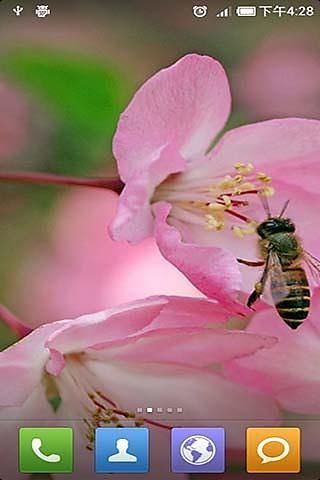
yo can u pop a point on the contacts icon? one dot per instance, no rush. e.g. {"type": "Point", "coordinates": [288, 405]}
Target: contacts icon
{"type": "Point", "coordinates": [273, 450]}
{"type": "Point", "coordinates": [122, 446]}
{"type": "Point", "coordinates": [122, 450]}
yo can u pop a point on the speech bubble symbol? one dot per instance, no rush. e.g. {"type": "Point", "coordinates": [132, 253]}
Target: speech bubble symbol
{"type": "Point", "coordinates": [265, 458]}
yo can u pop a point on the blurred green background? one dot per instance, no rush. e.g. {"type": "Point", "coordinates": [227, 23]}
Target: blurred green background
{"type": "Point", "coordinates": [75, 71]}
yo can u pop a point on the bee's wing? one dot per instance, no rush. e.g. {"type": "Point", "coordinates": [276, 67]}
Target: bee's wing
{"type": "Point", "coordinates": [279, 287]}
{"type": "Point", "coordinates": [313, 264]}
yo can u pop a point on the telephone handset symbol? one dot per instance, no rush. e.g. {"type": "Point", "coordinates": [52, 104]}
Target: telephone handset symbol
{"type": "Point", "coordinates": [36, 445]}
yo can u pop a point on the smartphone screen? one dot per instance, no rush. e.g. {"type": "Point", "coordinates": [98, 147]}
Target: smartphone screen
{"type": "Point", "coordinates": [159, 250]}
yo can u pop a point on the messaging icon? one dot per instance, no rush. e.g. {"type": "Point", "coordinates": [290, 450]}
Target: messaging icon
{"type": "Point", "coordinates": [273, 450]}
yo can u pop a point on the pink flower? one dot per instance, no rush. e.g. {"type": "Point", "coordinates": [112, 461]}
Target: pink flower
{"type": "Point", "coordinates": [99, 367]}
{"type": "Point", "coordinates": [281, 78]}
{"type": "Point", "coordinates": [203, 207]}
{"type": "Point", "coordinates": [289, 371]}
{"type": "Point", "coordinates": [82, 270]}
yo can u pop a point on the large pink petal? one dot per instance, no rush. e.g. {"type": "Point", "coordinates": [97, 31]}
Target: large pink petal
{"type": "Point", "coordinates": [292, 361]}
{"type": "Point", "coordinates": [131, 320]}
{"type": "Point", "coordinates": [22, 364]}
{"type": "Point", "coordinates": [134, 219]}
{"type": "Point", "coordinates": [91, 329]}
{"type": "Point", "coordinates": [300, 172]}
{"type": "Point", "coordinates": [214, 271]}
{"type": "Point", "coordinates": [271, 146]}
{"type": "Point", "coordinates": [185, 104]}
{"type": "Point", "coordinates": [182, 312]}
{"type": "Point", "coordinates": [197, 347]}
{"type": "Point", "coordinates": [289, 371]}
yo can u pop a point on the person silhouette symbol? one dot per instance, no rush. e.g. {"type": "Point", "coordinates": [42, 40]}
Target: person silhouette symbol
{"type": "Point", "coordinates": [122, 446]}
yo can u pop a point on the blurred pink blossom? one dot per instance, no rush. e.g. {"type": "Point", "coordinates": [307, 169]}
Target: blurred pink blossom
{"type": "Point", "coordinates": [151, 352]}
{"type": "Point", "coordinates": [83, 271]}
{"type": "Point", "coordinates": [280, 78]}
{"type": "Point", "coordinates": [13, 121]}
{"type": "Point", "coordinates": [288, 372]}
{"type": "Point", "coordinates": [203, 207]}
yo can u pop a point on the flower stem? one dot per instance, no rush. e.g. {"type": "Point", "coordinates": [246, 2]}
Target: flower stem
{"type": "Point", "coordinates": [113, 183]}
{"type": "Point", "coordinates": [157, 424]}
{"type": "Point", "coordinates": [13, 322]}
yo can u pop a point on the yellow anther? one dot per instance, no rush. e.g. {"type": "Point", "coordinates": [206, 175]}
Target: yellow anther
{"type": "Point", "coordinates": [266, 191]}
{"type": "Point", "coordinates": [217, 207]}
{"type": "Point", "coordinates": [247, 186]}
{"type": "Point", "coordinates": [227, 200]}
{"type": "Point", "coordinates": [243, 169]}
{"type": "Point", "coordinates": [213, 223]}
{"type": "Point", "coordinates": [226, 183]}
{"type": "Point", "coordinates": [238, 178]}
{"type": "Point", "coordinates": [239, 165]}
{"type": "Point", "coordinates": [251, 228]}
{"type": "Point", "coordinates": [243, 188]}
{"type": "Point", "coordinates": [263, 177]}
{"type": "Point", "coordinates": [238, 231]}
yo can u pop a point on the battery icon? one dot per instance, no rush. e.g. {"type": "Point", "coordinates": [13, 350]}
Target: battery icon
{"type": "Point", "coordinates": [246, 11]}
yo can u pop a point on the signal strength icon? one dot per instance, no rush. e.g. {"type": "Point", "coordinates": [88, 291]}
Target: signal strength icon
{"type": "Point", "coordinates": [226, 12]}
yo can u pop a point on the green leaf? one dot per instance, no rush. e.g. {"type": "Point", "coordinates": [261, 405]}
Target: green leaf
{"type": "Point", "coordinates": [83, 95]}
{"type": "Point", "coordinates": [7, 337]}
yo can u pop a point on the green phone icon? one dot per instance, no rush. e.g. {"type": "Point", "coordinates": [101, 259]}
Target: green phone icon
{"type": "Point", "coordinates": [46, 450]}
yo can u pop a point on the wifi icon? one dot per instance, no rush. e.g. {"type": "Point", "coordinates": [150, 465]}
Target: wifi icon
{"type": "Point", "coordinates": [226, 12]}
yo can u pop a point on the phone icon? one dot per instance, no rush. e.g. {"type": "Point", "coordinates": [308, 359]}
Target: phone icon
{"type": "Point", "coordinates": [36, 446]}
{"type": "Point", "coordinates": [46, 450]}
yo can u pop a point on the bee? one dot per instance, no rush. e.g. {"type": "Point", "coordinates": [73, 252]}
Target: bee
{"type": "Point", "coordinates": [283, 257]}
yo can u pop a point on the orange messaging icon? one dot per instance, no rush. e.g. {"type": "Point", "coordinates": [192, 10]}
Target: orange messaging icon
{"type": "Point", "coordinates": [273, 450]}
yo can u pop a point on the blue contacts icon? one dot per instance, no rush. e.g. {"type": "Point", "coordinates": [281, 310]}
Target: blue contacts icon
{"type": "Point", "coordinates": [121, 450]}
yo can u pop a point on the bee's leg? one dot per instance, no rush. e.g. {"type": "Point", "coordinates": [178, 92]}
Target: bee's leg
{"type": "Point", "coordinates": [250, 263]}
{"type": "Point", "coordinates": [255, 295]}
{"type": "Point", "coordinates": [258, 288]}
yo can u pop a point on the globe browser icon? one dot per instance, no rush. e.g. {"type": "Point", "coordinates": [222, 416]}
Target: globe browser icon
{"type": "Point", "coordinates": [198, 450]}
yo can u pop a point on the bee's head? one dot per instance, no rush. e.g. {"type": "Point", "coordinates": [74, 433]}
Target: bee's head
{"type": "Point", "coordinates": [275, 225]}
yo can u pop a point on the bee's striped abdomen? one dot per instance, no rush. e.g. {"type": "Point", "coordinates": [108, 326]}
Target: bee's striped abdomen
{"type": "Point", "coordinates": [294, 308]}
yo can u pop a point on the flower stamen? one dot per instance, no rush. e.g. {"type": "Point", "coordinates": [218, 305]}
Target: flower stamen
{"type": "Point", "coordinates": [243, 169]}
{"type": "Point", "coordinates": [241, 232]}
{"type": "Point", "coordinates": [263, 177]}
{"type": "Point", "coordinates": [103, 414]}
{"type": "Point", "coordinates": [266, 191]}
{"type": "Point", "coordinates": [208, 205]}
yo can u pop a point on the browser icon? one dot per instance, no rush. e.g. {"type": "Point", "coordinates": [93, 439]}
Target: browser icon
{"type": "Point", "coordinates": [198, 450]}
